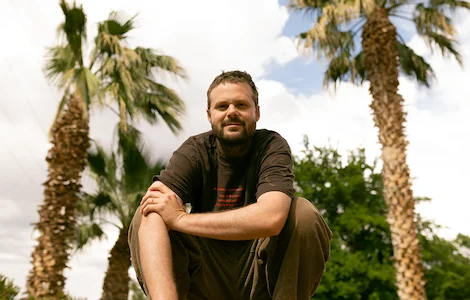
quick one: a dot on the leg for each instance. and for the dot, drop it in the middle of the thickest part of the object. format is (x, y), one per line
(150, 233)
(186, 257)
(295, 260)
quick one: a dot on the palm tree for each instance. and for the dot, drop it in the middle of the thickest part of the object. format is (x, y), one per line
(383, 55)
(66, 158)
(122, 179)
(128, 76)
(122, 75)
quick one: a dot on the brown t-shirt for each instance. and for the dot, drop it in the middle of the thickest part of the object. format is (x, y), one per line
(200, 175)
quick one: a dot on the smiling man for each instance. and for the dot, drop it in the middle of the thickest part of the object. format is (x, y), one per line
(247, 235)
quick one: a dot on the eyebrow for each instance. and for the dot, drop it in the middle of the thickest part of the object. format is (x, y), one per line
(236, 101)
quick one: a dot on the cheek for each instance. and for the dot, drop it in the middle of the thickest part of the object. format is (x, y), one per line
(216, 118)
(249, 117)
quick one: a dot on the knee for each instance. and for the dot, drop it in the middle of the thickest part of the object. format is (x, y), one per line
(305, 214)
(308, 220)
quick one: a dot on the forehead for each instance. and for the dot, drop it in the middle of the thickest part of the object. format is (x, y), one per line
(228, 91)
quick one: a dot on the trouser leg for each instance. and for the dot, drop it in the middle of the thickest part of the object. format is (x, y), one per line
(291, 264)
(287, 266)
(186, 256)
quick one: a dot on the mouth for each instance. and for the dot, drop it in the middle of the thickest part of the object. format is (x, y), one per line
(233, 124)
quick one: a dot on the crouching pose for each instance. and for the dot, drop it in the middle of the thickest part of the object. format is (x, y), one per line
(247, 236)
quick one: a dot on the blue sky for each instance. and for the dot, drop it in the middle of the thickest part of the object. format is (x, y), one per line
(304, 74)
(208, 37)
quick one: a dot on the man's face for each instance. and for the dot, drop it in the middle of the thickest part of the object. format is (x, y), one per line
(232, 113)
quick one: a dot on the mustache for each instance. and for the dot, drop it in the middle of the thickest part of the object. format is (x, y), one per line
(233, 121)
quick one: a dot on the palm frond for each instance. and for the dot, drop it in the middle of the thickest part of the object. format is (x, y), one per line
(126, 82)
(162, 102)
(431, 19)
(451, 4)
(130, 58)
(326, 40)
(103, 167)
(119, 73)
(87, 232)
(153, 60)
(83, 205)
(137, 162)
(447, 45)
(117, 25)
(97, 160)
(129, 142)
(307, 6)
(74, 28)
(59, 62)
(87, 86)
(345, 67)
(98, 203)
(111, 36)
(101, 202)
(122, 197)
(414, 66)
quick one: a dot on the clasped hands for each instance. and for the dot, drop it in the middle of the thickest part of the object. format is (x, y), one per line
(162, 200)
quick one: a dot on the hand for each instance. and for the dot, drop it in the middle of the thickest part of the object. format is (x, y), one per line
(162, 200)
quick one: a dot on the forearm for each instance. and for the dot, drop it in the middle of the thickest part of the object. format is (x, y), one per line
(246, 223)
(155, 257)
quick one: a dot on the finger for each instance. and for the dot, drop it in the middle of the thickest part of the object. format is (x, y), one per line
(151, 208)
(150, 194)
(150, 201)
(159, 186)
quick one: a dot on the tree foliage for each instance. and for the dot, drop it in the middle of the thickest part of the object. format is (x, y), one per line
(338, 24)
(348, 191)
(8, 290)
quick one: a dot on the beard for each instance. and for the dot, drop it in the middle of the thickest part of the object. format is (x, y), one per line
(238, 137)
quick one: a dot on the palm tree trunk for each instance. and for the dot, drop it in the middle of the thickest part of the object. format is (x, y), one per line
(116, 281)
(379, 40)
(66, 160)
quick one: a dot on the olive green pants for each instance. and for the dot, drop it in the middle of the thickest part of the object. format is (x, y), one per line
(287, 266)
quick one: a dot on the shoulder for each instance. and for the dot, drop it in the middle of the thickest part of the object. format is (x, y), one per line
(267, 139)
(199, 141)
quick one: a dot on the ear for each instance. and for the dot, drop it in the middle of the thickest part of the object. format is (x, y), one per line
(258, 114)
(208, 115)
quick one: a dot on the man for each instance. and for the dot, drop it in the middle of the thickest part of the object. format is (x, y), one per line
(247, 236)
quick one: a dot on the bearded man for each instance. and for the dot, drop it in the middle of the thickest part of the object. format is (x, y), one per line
(247, 236)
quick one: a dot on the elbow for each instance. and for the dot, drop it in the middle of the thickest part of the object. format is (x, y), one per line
(276, 225)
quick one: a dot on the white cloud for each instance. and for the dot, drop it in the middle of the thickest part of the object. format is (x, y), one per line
(208, 37)
(437, 126)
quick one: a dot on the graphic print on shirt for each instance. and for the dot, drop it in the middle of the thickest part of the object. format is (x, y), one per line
(231, 184)
(228, 198)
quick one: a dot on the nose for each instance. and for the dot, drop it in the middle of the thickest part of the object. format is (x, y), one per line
(232, 111)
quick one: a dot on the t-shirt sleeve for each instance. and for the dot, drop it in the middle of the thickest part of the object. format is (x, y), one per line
(180, 173)
(276, 169)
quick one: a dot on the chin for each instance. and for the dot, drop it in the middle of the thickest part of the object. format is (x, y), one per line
(234, 137)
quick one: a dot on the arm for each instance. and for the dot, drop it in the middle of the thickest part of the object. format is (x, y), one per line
(264, 218)
(261, 219)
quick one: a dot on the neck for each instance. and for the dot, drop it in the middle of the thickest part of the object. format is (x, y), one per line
(234, 150)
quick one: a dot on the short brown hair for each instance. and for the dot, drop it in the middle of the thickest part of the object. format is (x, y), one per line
(233, 77)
